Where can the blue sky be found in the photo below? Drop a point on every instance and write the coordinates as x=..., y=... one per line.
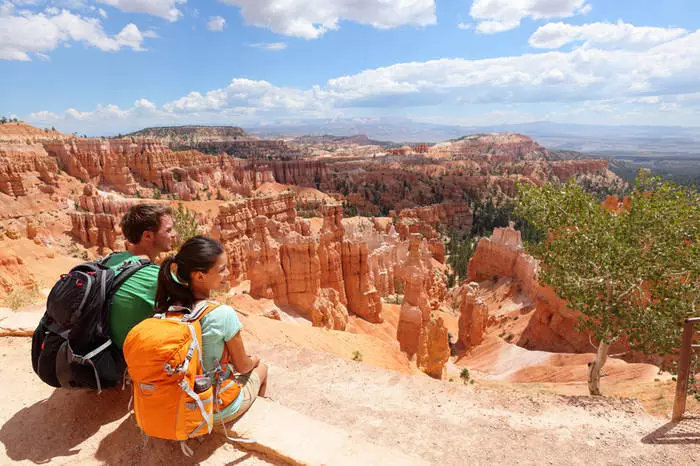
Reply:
x=107, y=66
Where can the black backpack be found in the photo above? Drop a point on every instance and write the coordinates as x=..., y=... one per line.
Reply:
x=71, y=346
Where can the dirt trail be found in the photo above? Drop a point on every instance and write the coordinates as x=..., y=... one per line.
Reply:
x=441, y=422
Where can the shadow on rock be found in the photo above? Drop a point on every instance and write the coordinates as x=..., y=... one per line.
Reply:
x=685, y=432
x=54, y=427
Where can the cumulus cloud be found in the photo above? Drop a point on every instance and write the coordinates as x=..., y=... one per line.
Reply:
x=216, y=24
x=310, y=19
x=594, y=80
x=25, y=32
x=271, y=46
x=165, y=9
x=502, y=15
x=620, y=34
x=248, y=93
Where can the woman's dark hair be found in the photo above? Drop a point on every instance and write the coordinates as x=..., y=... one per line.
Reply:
x=198, y=254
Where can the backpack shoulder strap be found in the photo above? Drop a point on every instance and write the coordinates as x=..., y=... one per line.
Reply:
x=106, y=259
x=201, y=309
x=125, y=271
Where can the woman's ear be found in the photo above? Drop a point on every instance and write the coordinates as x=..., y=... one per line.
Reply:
x=198, y=276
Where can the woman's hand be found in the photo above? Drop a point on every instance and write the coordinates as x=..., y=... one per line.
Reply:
x=242, y=362
x=254, y=362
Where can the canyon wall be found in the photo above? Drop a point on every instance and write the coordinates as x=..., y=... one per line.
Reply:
x=552, y=326
x=26, y=168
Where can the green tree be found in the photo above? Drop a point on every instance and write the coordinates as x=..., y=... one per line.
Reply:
x=460, y=249
x=464, y=375
x=186, y=224
x=633, y=273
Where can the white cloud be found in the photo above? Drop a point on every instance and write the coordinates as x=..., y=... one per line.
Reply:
x=464, y=26
x=585, y=9
x=503, y=15
x=43, y=56
x=310, y=19
x=102, y=12
x=144, y=103
x=620, y=34
x=216, y=23
x=27, y=32
x=248, y=93
x=594, y=81
x=165, y=9
x=271, y=46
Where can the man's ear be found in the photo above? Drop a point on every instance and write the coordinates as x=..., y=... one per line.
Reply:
x=148, y=235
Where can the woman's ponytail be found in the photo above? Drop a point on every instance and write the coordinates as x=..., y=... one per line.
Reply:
x=198, y=254
x=172, y=288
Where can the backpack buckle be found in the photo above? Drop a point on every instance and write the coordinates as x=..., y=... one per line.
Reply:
x=168, y=369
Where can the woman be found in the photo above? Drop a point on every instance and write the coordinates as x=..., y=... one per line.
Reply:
x=200, y=267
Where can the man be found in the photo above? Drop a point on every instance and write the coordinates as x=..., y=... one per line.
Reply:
x=149, y=230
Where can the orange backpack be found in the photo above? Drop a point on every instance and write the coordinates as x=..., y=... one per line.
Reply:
x=164, y=357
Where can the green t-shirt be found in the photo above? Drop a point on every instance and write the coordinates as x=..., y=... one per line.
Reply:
x=134, y=300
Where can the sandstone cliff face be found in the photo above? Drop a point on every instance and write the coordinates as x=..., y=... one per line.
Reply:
x=418, y=333
x=328, y=311
x=13, y=273
x=362, y=297
x=330, y=250
x=122, y=164
x=473, y=315
x=24, y=168
x=570, y=168
x=500, y=147
x=300, y=172
x=96, y=223
x=552, y=326
x=434, y=347
x=449, y=214
x=302, y=273
x=265, y=272
x=285, y=267
x=234, y=226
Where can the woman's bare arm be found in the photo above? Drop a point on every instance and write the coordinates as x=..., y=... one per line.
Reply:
x=240, y=359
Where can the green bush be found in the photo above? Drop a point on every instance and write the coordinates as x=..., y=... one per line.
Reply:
x=185, y=223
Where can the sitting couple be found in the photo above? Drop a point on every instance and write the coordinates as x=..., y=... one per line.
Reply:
x=198, y=268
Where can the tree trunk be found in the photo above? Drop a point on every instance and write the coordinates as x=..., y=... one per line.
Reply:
x=595, y=366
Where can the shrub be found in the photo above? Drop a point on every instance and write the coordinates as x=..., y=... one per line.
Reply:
x=356, y=356
x=185, y=223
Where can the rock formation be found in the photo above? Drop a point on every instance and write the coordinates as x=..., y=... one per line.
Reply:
x=362, y=297
x=13, y=274
x=418, y=332
x=330, y=250
x=434, y=349
x=96, y=222
x=328, y=311
x=473, y=315
x=552, y=326
x=415, y=308
x=234, y=225
x=24, y=168
x=265, y=272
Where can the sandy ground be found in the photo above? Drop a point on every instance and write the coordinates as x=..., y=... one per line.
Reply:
x=41, y=425
x=442, y=422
